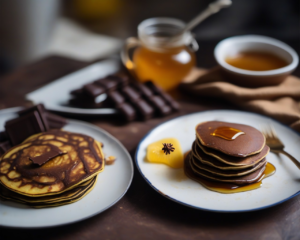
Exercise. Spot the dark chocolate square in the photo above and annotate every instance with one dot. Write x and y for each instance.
(19, 129)
(131, 93)
(107, 84)
(55, 121)
(116, 98)
(122, 79)
(145, 110)
(127, 111)
(93, 90)
(145, 90)
(40, 109)
(160, 105)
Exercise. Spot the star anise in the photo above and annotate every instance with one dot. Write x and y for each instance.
(168, 148)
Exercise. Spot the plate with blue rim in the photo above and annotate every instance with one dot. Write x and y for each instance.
(174, 185)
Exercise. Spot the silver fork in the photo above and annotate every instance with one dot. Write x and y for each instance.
(276, 145)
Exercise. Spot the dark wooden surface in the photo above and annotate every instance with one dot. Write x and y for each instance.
(143, 213)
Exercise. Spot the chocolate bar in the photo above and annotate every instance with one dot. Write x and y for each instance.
(146, 92)
(107, 84)
(122, 79)
(160, 105)
(55, 121)
(127, 111)
(19, 129)
(31, 121)
(145, 110)
(164, 95)
(116, 98)
(132, 99)
(130, 93)
(93, 90)
(40, 109)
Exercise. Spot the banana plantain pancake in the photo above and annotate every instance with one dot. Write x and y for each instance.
(64, 201)
(249, 141)
(67, 195)
(241, 180)
(51, 163)
(87, 191)
(223, 161)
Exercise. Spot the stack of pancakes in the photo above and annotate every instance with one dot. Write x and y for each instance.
(240, 161)
(49, 169)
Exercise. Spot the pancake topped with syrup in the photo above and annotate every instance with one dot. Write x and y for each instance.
(51, 163)
(228, 157)
(248, 140)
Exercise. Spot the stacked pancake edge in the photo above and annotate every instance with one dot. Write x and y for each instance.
(241, 161)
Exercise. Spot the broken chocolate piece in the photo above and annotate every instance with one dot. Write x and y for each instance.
(107, 84)
(20, 128)
(40, 109)
(93, 90)
(122, 79)
(46, 156)
(55, 121)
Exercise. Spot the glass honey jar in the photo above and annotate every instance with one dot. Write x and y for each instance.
(160, 54)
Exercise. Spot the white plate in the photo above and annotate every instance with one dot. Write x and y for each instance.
(173, 184)
(108, 190)
(56, 94)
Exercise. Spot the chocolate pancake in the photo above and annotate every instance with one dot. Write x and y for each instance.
(250, 143)
(227, 173)
(51, 163)
(242, 180)
(209, 155)
(213, 185)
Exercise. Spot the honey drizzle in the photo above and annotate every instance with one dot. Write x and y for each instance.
(227, 133)
(233, 188)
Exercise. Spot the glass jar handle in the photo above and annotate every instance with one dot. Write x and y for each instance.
(194, 45)
(129, 44)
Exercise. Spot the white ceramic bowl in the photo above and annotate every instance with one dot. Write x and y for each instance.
(232, 45)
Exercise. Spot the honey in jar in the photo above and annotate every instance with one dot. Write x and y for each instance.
(161, 54)
(167, 68)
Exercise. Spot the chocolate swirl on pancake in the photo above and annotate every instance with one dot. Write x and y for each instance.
(83, 159)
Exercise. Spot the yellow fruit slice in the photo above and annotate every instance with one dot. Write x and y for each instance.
(155, 154)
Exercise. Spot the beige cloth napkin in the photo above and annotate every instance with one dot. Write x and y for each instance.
(281, 102)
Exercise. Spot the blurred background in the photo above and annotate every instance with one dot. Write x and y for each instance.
(89, 30)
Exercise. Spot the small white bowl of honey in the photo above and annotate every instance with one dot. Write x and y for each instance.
(255, 61)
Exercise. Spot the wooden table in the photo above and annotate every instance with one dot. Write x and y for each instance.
(142, 213)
